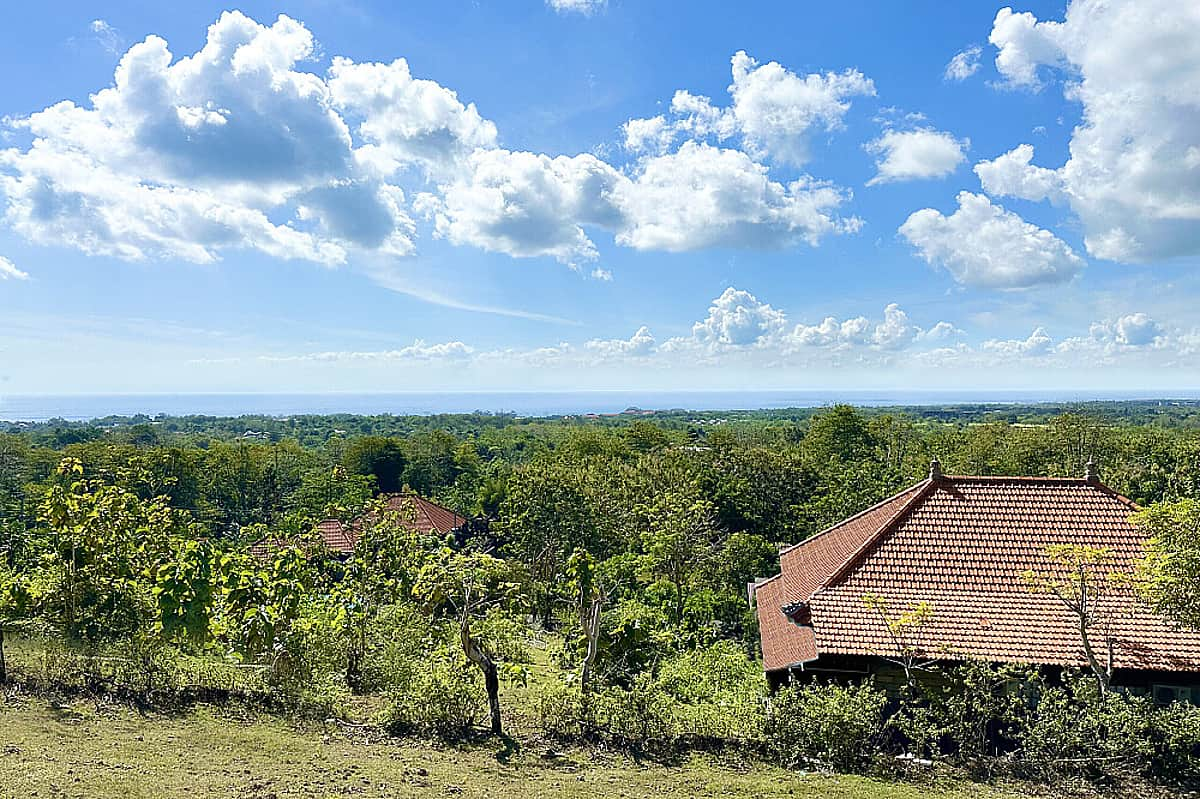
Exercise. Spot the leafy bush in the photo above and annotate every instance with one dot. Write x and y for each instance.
(444, 700)
(720, 693)
(641, 717)
(560, 712)
(1177, 755)
(634, 636)
(1077, 733)
(827, 726)
(967, 714)
(398, 640)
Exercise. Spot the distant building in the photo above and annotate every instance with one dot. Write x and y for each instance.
(340, 539)
(963, 545)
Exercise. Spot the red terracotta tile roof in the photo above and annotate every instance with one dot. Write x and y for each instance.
(336, 536)
(808, 564)
(264, 548)
(424, 516)
(783, 643)
(803, 568)
(963, 545)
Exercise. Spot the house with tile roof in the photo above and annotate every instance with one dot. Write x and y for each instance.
(340, 538)
(962, 549)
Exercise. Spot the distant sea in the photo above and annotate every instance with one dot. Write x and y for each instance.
(82, 407)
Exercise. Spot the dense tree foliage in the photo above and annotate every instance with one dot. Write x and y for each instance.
(627, 541)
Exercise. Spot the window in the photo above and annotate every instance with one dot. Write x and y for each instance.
(1166, 694)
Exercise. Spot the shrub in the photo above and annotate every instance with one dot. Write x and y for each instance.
(640, 717)
(398, 641)
(1075, 732)
(1177, 755)
(968, 714)
(442, 700)
(634, 636)
(827, 726)
(560, 712)
(720, 693)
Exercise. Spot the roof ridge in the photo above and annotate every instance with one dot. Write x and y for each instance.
(924, 489)
(1003, 478)
(1117, 496)
(849, 519)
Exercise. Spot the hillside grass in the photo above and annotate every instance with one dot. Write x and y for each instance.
(84, 750)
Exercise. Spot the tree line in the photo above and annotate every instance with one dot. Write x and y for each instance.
(615, 554)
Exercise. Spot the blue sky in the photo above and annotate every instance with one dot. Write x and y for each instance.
(573, 194)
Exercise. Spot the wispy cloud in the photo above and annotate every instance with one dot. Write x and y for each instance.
(108, 37)
(9, 271)
(584, 7)
(397, 283)
(964, 64)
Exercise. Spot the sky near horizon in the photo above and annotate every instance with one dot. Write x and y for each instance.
(579, 194)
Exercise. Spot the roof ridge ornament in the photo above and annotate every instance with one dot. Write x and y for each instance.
(935, 470)
(1091, 472)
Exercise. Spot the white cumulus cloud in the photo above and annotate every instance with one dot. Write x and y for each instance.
(774, 110)
(1012, 175)
(915, 155)
(238, 146)
(1038, 343)
(640, 343)
(526, 204)
(704, 196)
(405, 120)
(982, 244)
(231, 147)
(738, 319)
(1133, 176)
(419, 350)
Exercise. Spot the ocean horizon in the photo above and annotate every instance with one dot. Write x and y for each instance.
(84, 407)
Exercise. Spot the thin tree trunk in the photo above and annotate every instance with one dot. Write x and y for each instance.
(591, 629)
(3, 663)
(491, 674)
(491, 681)
(1102, 674)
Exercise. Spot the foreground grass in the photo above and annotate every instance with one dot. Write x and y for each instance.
(74, 751)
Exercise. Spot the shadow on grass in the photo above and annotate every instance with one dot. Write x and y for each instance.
(510, 748)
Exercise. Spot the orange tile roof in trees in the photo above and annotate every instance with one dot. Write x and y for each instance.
(424, 516)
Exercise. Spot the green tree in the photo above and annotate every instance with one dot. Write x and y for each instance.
(678, 539)
(15, 472)
(590, 597)
(14, 608)
(383, 569)
(642, 436)
(261, 602)
(839, 434)
(1082, 579)
(432, 463)
(546, 516)
(482, 595)
(104, 546)
(380, 457)
(185, 589)
(1169, 575)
